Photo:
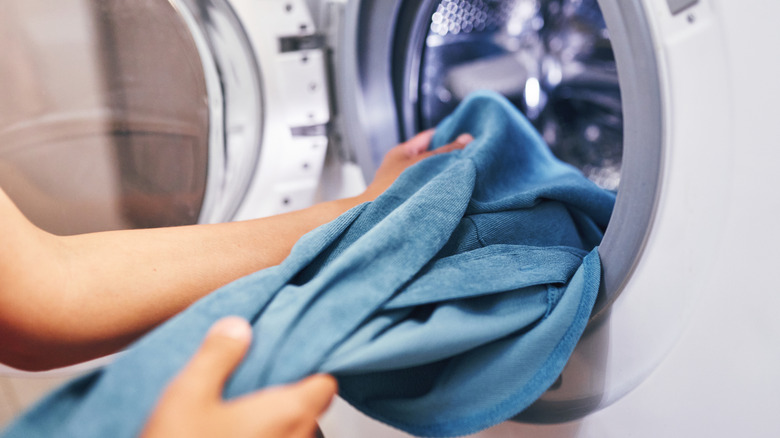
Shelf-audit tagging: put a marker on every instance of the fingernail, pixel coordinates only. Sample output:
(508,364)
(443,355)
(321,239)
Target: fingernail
(464,139)
(233,327)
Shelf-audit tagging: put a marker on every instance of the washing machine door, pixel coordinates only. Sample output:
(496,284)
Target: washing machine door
(587,74)
(126,114)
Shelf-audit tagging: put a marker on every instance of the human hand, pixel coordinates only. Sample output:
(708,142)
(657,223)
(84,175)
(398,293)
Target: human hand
(406,154)
(192,404)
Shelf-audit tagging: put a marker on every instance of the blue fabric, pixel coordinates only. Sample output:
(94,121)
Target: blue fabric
(446,306)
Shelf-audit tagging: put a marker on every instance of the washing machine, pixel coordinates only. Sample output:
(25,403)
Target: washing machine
(157,113)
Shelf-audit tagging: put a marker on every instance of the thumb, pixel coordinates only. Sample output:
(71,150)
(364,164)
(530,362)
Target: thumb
(225,345)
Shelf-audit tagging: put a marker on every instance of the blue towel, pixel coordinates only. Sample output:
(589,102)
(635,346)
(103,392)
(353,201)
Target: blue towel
(446,306)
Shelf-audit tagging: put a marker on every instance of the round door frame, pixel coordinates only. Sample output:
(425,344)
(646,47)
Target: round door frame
(377,89)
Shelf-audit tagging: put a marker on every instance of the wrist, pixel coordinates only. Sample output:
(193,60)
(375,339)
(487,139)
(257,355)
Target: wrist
(346,204)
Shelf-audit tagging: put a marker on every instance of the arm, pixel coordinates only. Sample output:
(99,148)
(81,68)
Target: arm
(65,300)
(69,299)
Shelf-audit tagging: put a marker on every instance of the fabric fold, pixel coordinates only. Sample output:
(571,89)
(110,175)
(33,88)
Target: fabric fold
(447,305)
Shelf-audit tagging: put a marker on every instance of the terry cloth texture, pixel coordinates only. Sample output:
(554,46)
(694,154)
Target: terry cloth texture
(447,305)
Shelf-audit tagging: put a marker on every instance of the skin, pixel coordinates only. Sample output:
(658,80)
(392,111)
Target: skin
(101,291)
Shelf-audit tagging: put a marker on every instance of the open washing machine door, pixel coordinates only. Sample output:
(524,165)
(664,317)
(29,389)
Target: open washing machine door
(120,115)
(123,115)
(159,113)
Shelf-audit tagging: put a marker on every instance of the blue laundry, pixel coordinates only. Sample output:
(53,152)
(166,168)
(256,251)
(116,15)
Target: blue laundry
(447,305)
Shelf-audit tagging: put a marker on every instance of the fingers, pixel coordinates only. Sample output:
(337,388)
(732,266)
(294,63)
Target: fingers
(419,143)
(225,345)
(295,407)
(305,399)
(401,157)
(315,392)
(461,142)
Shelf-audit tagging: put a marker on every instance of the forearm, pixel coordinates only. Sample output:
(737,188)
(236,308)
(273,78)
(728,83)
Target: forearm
(145,276)
(74,298)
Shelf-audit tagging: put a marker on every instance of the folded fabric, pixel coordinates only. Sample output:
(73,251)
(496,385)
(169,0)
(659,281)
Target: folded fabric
(447,305)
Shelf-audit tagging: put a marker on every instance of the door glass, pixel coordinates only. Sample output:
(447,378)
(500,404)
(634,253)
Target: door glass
(104,115)
(551,58)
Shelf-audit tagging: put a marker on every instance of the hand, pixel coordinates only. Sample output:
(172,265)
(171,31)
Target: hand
(192,405)
(406,154)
